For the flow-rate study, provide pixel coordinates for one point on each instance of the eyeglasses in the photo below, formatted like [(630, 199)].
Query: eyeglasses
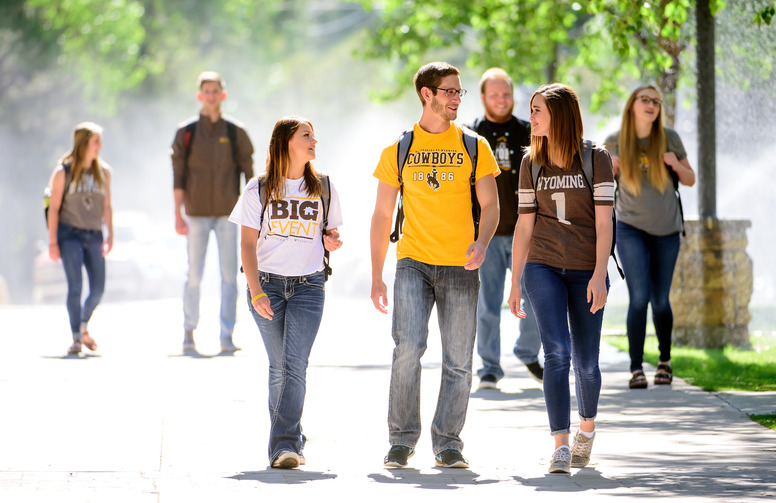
[(647, 100), (450, 92)]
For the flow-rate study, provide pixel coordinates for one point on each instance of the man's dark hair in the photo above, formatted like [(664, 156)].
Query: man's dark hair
[(431, 76)]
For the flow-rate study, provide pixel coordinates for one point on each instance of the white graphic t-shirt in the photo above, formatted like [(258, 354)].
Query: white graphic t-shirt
[(290, 236)]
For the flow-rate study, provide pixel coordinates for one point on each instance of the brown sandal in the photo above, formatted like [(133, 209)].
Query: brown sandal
[(87, 341), (75, 348), (664, 374), (638, 381)]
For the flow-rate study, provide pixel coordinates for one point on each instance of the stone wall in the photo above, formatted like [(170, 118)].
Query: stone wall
[(712, 285)]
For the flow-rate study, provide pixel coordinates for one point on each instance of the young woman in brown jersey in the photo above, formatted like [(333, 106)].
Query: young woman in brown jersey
[(646, 157), (563, 253)]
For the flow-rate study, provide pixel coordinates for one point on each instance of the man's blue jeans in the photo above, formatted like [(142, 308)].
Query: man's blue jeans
[(197, 238), (81, 248), (648, 263), (297, 302), (559, 298), (493, 271), (417, 288)]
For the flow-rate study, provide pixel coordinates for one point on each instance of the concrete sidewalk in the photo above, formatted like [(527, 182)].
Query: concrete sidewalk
[(138, 421)]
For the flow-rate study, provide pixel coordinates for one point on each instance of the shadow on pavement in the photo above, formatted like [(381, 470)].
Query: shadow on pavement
[(447, 478), (73, 357), (274, 476), (586, 479)]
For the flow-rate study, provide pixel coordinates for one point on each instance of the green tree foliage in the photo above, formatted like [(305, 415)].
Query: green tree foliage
[(545, 40)]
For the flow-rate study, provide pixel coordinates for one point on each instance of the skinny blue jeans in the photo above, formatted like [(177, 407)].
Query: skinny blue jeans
[(569, 332), (648, 262), (417, 288), (297, 302), (491, 299), (81, 248)]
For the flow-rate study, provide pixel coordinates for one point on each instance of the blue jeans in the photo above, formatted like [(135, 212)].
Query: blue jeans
[(417, 288), (226, 237), (81, 248), (297, 302), (559, 298), (493, 270), (648, 263)]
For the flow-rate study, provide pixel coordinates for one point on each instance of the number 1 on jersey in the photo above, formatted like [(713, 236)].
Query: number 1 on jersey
[(560, 205)]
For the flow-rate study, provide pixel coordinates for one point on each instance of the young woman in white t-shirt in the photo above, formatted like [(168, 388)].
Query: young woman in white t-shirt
[(282, 253)]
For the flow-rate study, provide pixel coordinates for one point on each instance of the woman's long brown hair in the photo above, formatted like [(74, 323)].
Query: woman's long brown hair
[(565, 135), (279, 161), (81, 136)]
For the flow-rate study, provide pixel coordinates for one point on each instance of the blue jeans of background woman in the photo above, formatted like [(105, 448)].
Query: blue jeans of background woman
[(648, 262), (417, 288), (297, 302), (81, 248), (569, 331)]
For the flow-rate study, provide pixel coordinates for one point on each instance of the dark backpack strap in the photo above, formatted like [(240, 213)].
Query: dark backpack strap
[(326, 202), (472, 149), (261, 188), (587, 171), (675, 182), (402, 150), (188, 137)]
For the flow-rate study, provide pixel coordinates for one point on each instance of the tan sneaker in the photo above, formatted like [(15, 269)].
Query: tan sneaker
[(580, 450)]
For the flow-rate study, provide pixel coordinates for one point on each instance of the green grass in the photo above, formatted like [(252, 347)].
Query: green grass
[(768, 420), (724, 369)]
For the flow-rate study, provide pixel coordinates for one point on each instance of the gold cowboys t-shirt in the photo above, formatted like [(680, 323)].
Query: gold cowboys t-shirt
[(438, 225)]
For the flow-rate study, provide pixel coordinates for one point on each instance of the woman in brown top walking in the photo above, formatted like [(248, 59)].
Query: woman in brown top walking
[(563, 253), (79, 208)]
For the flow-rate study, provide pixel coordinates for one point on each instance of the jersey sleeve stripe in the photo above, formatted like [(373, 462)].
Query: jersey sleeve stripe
[(526, 198), (603, 192)]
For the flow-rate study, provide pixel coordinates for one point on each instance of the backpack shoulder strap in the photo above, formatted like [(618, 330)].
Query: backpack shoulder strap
[(231, 132), (402, 150), (325, 199), (260, 187), (587, 162), (188, 136), (472, 147)]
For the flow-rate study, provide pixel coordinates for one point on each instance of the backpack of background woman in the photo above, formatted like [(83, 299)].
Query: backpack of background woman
[(47, 193)]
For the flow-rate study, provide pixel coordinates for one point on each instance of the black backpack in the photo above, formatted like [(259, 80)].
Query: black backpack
[(403, 149), (325, 200), (587, 171), (47, 193)]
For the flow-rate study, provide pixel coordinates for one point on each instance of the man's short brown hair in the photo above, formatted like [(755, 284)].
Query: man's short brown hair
[(210, 77), (495, 73), (431, 76)]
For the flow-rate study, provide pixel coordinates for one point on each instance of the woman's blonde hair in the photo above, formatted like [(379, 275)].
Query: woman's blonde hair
[(279, 161), (565, 126), (81, 136), (631, 153)]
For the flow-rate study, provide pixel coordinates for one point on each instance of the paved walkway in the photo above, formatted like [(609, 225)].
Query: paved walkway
[(138, 421)]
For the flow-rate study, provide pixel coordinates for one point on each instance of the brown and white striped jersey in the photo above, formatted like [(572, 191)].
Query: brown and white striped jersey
[(564, 234)]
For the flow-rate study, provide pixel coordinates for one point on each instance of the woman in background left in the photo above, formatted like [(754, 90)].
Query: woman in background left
[(79, 208)]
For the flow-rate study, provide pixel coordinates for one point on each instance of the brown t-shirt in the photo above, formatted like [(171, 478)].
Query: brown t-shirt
[(564, 235)]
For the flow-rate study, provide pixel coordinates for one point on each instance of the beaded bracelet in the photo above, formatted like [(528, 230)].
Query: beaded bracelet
[(258, 297)]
